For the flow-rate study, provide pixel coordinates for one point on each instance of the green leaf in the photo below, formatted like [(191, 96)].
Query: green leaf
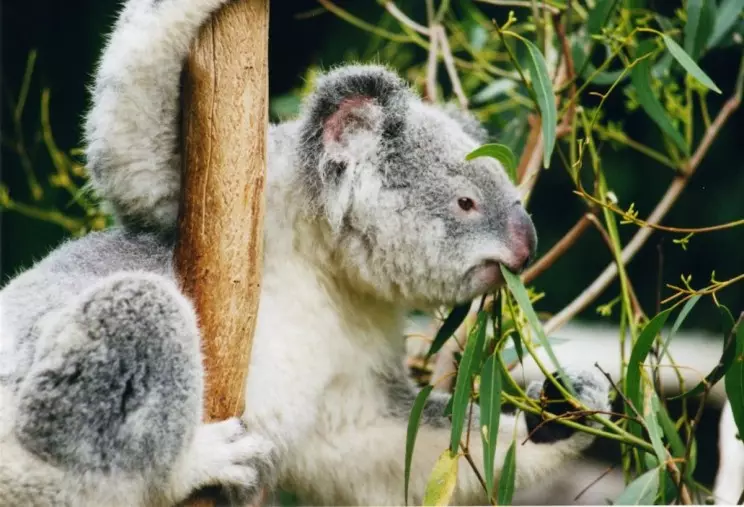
[(500, 152), (689, 65), (490, 410), (520, 294), (637, 358), (727, 357), (463, 386), (450, 325), (728, 13), (599, 16), (493, 89), (689, 305), (641, 491), (734, 381), (654, 428), (543, 88), (442, 480), (508, 475), (413, 426), (640, 79), (700, 18)]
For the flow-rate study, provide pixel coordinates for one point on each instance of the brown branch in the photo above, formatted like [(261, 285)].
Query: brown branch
[(219, 251), (557, 250), (662, 208)]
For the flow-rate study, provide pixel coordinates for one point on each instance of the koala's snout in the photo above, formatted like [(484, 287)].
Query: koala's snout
[(522, 238)]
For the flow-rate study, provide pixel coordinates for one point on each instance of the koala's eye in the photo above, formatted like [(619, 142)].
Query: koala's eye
[(465, 203)]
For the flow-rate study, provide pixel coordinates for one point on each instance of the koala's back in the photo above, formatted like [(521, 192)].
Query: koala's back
[(63, 274)]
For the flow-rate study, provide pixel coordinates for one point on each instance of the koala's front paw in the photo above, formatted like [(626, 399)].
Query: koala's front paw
[(592, 390), (226, 457)]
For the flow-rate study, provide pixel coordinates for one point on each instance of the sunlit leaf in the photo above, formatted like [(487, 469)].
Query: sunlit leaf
[(686, 309), (543, 88), (463, 385), (728, 13), (640, 78), (727, 357), (442, 480), (641, 491), (500, 152), (450, 325), (490, 410), (493, 89), (508, 477), (413, 426), (689, 65)]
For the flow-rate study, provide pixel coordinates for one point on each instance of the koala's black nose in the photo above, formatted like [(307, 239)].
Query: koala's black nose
[(522, 238)]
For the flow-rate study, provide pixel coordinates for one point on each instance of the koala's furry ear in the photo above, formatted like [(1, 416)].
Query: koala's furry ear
[(350, 105), (467, 121)]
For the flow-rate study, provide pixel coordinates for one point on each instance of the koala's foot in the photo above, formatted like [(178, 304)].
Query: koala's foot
[(592, 390), (233, 464), (116, 383)]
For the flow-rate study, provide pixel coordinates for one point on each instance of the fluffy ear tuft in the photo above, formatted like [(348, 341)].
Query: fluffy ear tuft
[(354, 109)]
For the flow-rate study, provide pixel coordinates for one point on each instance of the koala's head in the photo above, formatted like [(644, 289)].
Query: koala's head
[(409, 218)]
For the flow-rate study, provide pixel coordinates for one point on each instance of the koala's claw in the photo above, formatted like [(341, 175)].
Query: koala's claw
[(225, 454), (592, 390)]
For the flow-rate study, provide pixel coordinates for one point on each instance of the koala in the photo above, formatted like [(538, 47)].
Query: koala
[(371, 210)]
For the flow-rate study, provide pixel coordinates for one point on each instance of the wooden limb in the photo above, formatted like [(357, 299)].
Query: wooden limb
[(219, 251)]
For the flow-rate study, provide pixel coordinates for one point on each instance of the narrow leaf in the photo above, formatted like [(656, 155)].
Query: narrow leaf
[(640, 77), (728, 13), (599, 16), (641, 491), (490, 410), (508, 475), (637, 358), (689, 65), (442, 480), (689, 305), (652, 424), (413, 426), (735, 380), (727, 357), (700, 19), (520, 294), (500, 152), (463, 384), (543, 88), (450, 325)]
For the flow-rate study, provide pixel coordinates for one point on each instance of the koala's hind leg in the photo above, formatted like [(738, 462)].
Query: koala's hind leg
[(115, 392), (116, 382)]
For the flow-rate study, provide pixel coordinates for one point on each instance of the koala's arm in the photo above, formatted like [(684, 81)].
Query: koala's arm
[(132, 128), (367, 460)]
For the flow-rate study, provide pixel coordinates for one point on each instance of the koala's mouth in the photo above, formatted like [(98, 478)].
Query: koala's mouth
[(485, 276)]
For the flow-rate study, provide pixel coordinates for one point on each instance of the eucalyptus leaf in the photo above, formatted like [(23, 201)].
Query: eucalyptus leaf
[(686, 309), (689, 65), (700, 19), (543, 88), (490, 411), (442, 480), (413, 426), (728, 13), (450, 325), (641, 491), (727, 357), (500, 152), (507, 479), (463, 384), (493, 89), (640, 78), (734, 381), (601, 13)]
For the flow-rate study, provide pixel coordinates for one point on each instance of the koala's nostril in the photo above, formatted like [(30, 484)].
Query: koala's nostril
[(522, 239)]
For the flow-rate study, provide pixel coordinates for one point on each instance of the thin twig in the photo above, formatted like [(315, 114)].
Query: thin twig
[(522, 3), (557, 250), (662, 208), (405, 20), (449, 64)]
